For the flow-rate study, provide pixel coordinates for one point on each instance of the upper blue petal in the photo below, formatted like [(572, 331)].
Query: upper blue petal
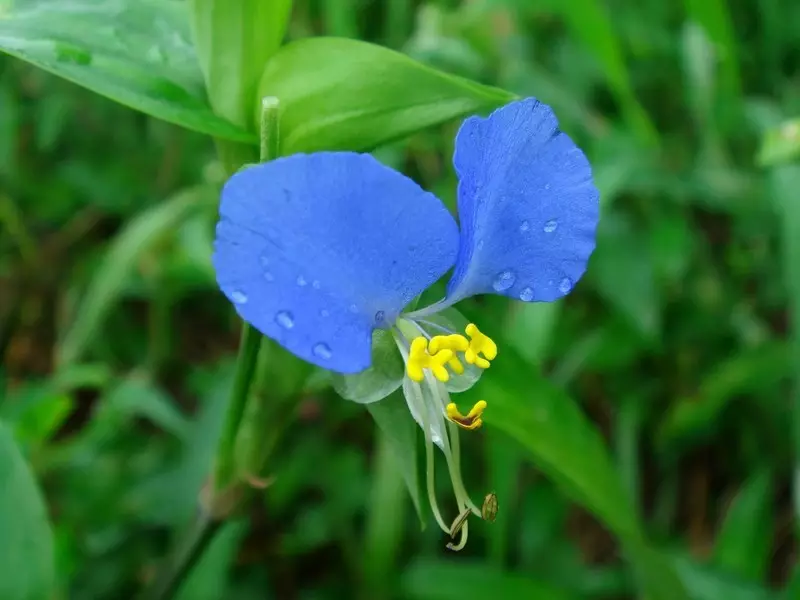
[(317, 250), (527, 205)]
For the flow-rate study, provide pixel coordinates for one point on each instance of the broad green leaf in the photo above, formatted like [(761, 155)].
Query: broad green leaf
[(744, 543), (444, 580), (106, 286), (136, 52), (361, 95), (560, 439), (562, 442), (382, 378), (26, 542), (400, 435), (234, 41)]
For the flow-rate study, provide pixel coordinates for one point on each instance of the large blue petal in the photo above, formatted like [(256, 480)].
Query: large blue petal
[(527, 205), (317, 250)]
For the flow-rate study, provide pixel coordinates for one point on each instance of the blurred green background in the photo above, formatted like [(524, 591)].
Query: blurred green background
[(678, 344)]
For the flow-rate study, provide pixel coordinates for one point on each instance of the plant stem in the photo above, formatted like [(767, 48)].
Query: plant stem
[(189, 552), (225, 470)]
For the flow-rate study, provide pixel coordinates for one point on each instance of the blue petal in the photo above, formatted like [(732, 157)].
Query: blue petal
[(527, 205), (316, 251)]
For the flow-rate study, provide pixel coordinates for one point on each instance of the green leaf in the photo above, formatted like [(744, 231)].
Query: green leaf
[(361, 95), (26, 543), (234, 41), (442, 580), (382, 378), (744, 543), (400, 435), (563, 443), (708, 584), (386, 521), (781, 144), (107, 284), (693, 418), (136, 52), (784, 182), (137, 396)]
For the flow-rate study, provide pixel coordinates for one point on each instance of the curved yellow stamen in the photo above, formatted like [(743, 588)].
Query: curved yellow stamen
[(479, 343), (454, 342), (419, 359), (472, 420)]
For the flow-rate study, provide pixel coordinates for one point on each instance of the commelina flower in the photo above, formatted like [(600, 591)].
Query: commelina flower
[(326, 253)]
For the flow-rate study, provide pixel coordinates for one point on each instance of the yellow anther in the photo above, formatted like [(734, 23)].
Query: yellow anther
[(479, 343), (419, 358), (473, 418), (454, 342)]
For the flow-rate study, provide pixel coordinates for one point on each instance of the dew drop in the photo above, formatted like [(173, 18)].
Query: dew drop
[(550, 226), (239, 297), (322, 350), (547, 186), (301, 281), (503, 281), (480, 245), (315, 284), (353, 308), (524, 226), (264, 260), (269, 276), (324, 313), (565, 286), (284, 319), (526, 295)]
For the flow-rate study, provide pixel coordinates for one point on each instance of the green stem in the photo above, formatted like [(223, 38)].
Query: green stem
[(189, 552), (225, 471)]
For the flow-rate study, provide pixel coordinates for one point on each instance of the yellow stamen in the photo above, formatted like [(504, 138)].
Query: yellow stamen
[(473, 418), (454, 342), (479, 343), (419, 358)]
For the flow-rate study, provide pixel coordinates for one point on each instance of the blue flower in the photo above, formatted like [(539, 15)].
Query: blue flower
[(325, 252)]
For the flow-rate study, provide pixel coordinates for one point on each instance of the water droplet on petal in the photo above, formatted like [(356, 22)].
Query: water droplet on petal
[(269, 276), (550, 226), (239, 297), (322, 350), (301, 281), (264, 260), (526, 295), (285, 319), (503, 281), (524, 226), (480, 245), (565, 286), (353, 308), (316, 284), (547, 186), (324, 312)]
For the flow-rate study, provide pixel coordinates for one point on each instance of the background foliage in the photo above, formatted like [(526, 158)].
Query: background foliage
[(642, 437)]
